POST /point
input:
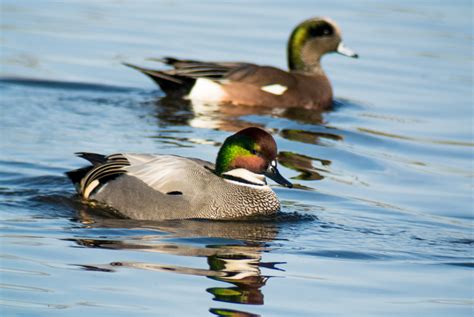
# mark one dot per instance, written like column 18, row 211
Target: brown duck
column 304, row 85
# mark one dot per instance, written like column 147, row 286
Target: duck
column 304, row 85
column 164, row 187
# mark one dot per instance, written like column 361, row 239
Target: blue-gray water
column 380, row 223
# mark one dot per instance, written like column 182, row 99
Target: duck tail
column 90, row 178
column 77, row 175
column 172, row 84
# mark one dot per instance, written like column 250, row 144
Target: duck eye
column 321, row 30
column 254, row 152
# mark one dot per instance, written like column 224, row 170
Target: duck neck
column 223, row 162
column 297, row 63
column 231, row 152
column 303, row 57
column 226, row 157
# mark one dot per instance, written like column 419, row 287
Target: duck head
column 252, row 149
column 310, row 40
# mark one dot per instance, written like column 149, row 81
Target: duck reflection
column 244, row 273
column 226, row 117
column 302, row 164
column 233, row 250
column 309, row 137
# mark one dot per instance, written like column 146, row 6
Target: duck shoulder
column 170, row 173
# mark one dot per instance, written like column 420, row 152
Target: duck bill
column 273, row 173
column 344, row 50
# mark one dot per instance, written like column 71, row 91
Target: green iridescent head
column 252, row 149
column 310, row 40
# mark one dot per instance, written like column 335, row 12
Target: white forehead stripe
column 275, row 89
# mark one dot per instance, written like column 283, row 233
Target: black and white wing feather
column 104, row 168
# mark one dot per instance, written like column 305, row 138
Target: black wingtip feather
column 173, row 85
column 133, row 66
column 94, row 158
column 78, row 174
column 165, row 60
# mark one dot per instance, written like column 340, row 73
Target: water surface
column 380, row 222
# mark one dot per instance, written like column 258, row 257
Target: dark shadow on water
column 344, row 103
column 54, row 84
column 462, row 264
column 342, row 254
column 172, row 111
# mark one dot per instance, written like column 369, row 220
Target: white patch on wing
column 275, row 89
column 206, row 90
